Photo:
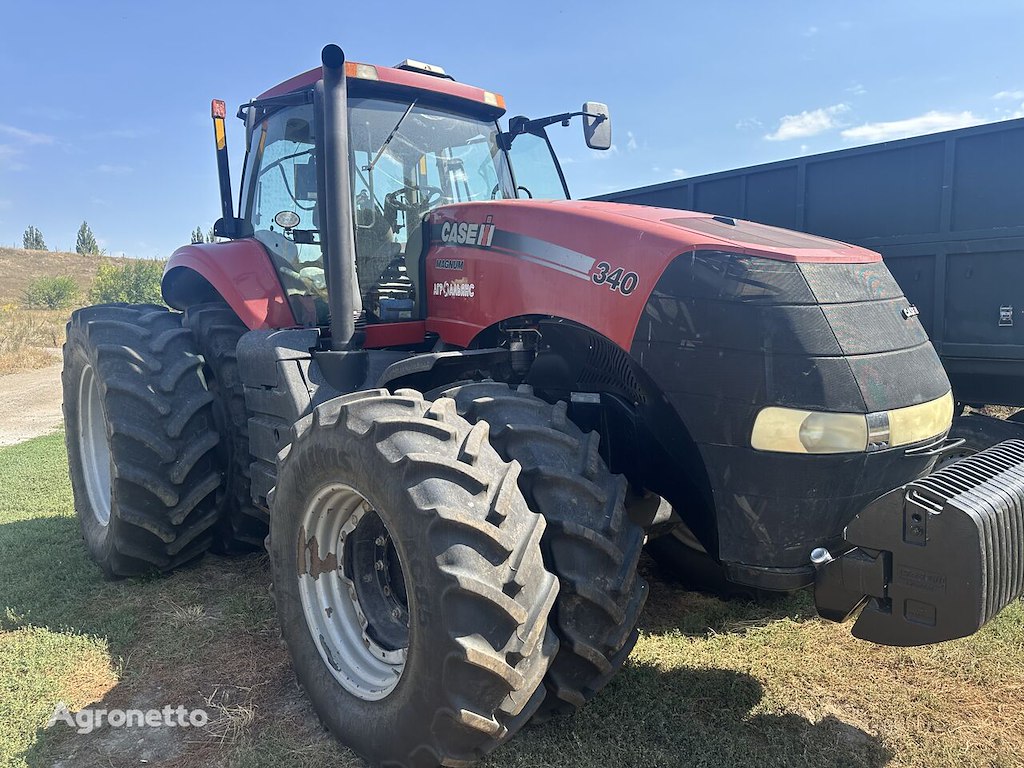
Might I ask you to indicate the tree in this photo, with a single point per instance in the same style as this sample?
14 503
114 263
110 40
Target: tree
85 243
197 235
32 240
135 281
51 292
209 236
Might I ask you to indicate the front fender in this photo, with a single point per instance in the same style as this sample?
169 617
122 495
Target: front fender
239 272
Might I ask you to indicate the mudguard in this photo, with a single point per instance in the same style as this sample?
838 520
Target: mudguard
239 271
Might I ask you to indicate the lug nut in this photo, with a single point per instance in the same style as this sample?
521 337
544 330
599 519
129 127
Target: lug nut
396 614
380 541
379 565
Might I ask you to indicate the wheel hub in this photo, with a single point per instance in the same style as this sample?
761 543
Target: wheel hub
353 594
93 446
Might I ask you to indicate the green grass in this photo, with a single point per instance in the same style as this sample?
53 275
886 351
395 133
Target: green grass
709 684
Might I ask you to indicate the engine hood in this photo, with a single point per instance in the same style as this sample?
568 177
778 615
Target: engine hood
681 230
593 263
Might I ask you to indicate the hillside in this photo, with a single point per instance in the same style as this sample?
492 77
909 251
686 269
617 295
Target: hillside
19 267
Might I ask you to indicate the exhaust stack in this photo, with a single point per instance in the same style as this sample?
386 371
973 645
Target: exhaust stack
337 236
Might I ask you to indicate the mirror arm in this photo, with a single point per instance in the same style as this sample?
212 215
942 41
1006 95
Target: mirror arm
519 126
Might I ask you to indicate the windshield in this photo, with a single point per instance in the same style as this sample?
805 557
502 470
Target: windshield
408 158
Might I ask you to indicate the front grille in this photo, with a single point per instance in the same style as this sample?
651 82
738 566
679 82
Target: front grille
989 488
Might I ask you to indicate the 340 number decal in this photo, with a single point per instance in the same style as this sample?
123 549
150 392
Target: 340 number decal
615 279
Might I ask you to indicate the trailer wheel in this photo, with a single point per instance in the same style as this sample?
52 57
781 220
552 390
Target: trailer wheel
409 580
140 438
242 527
590 542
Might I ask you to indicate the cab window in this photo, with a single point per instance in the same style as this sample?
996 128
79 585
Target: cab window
281 207
533 163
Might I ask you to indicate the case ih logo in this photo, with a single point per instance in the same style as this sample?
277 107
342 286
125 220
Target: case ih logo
459 289
464 233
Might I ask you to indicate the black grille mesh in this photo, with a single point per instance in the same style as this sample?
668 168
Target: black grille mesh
989 487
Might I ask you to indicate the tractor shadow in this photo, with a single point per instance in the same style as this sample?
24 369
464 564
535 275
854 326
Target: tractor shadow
674 607
648 716
207 637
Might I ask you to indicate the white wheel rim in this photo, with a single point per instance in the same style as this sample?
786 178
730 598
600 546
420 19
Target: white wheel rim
337 622
94 446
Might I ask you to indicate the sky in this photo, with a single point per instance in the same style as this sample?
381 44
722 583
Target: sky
105 105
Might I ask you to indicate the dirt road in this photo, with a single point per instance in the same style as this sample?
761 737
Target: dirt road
29 404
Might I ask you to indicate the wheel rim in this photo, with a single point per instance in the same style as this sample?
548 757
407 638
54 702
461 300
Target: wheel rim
353 594
93 446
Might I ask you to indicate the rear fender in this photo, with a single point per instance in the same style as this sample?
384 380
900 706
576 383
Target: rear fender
239 272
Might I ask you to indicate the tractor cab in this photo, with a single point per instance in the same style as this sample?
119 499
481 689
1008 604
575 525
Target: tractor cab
417 140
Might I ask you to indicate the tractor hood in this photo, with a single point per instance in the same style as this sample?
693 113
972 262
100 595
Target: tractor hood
595 263
647 226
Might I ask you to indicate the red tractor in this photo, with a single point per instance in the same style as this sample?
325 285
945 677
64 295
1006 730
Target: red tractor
454 404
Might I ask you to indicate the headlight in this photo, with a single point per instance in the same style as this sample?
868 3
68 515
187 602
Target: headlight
791 430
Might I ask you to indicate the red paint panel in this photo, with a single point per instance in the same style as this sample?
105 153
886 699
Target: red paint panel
243 275
392 76
544 256
394 334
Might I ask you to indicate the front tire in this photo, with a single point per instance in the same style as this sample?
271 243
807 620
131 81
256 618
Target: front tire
422 639
140 438
590 543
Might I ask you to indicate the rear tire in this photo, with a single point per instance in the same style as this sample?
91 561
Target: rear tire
242 527
590 543
140 438
474 595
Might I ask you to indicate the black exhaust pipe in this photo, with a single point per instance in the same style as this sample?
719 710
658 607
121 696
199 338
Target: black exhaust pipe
336 226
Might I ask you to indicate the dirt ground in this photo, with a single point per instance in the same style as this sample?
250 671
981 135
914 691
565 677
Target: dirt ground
29 404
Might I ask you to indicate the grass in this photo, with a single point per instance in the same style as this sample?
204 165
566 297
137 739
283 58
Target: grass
30 338
709 684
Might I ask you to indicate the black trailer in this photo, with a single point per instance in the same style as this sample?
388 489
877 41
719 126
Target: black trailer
945 210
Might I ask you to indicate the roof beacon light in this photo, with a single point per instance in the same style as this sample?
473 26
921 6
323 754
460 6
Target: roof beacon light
427 69
362 71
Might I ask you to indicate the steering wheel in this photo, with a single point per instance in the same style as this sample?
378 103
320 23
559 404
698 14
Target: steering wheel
429 197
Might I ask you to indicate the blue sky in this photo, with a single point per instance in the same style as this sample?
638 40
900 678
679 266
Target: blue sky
105 104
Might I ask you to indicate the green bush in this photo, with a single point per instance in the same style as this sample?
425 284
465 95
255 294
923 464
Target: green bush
51 292
136 281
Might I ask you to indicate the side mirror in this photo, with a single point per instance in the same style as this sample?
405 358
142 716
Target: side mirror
597 125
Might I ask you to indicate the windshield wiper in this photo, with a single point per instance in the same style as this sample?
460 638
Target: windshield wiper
391 135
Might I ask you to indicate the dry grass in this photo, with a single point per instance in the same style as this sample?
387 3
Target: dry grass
30 338
18 268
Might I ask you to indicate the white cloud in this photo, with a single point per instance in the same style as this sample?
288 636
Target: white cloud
631 143
929 122
680 173
8 158
857 89
809 123
115 170
605 154
810 32
748 123
26 137
1009 96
